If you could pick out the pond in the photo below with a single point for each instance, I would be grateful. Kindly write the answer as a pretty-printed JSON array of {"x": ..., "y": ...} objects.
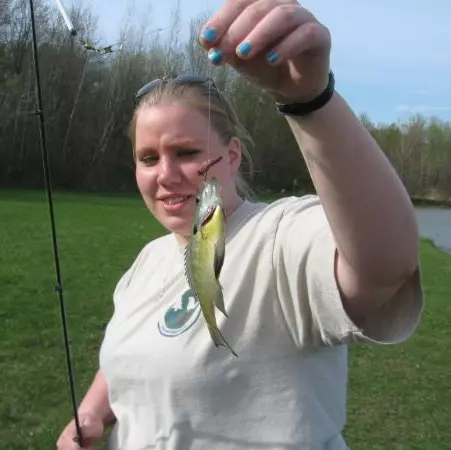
[{"x": 435, "y": 223}]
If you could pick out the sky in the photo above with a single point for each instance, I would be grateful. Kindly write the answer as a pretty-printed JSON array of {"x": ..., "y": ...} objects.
[{"x": 391, "y": 59}]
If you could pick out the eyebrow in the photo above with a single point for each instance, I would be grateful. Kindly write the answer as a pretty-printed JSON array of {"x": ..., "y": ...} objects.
[
  {"x": 181, "y": 144},
  {"x": 144, "y": 150},
  {"x": 188, "y": 143}
]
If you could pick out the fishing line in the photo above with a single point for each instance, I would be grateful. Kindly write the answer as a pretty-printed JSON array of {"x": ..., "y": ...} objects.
[
  {"x": 210, "y": 75},
  {"x": 208, "y": 130},
  {"x": 89, "y": 48},
  {"x": 77, "y": 96},
  {"x": 109, "y": 121},
  {"x": 59, "y": 285}
]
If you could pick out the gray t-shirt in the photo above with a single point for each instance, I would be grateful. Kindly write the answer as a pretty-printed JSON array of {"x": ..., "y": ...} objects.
[{"x": 171, "y": 388}]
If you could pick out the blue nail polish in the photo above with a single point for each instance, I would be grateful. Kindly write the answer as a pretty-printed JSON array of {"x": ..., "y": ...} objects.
[
  {"x": 209, "y": 34},
  {"x": 245, "y": 48},
  {"x": 272, "y": 57},
  {"x": 215, "y": 56}
]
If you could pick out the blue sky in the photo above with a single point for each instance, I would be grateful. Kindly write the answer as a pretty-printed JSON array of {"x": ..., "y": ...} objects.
[{"x": 391, "y": 58}]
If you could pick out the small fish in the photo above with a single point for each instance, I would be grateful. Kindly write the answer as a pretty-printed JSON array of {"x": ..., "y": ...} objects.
[{"x": 204, "y": 257}]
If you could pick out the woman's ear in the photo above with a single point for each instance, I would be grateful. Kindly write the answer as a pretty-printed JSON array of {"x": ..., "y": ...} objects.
[{"x": 234, "y": 153}]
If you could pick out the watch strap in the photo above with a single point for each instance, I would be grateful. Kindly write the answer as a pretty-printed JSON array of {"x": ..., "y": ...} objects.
[{"x": 303, "y": 109}]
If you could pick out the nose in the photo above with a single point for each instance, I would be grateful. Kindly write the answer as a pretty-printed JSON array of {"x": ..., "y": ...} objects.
[{"x": 168, "y": 171}]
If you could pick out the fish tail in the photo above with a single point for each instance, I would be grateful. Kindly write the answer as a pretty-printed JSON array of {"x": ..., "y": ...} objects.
[
  {"x": 220, "y": 301},
  {"x": 219, "y": 339}
]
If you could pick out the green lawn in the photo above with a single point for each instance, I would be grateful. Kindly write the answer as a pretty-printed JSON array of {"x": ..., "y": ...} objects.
[{"x": 399, "y": 398}]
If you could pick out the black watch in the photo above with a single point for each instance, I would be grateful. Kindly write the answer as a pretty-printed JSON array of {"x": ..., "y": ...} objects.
[{"x": 303, "y": 109}]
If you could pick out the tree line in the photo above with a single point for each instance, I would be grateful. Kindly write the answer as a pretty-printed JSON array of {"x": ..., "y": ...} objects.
[{"x": 88, "y": 106}]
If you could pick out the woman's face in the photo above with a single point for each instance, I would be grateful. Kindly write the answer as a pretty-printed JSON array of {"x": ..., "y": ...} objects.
[{"x": 171, "y": 143}]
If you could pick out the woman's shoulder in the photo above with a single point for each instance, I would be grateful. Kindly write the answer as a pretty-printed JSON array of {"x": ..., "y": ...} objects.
[
  {"x": 267, "y": 212},
  {"x": 292, "y": 204},
  {"x": 259, "y": 221},
  {"x": 151, "y": 249}
]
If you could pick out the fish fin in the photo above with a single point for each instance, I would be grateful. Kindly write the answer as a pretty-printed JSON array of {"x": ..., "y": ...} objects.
[
  {"x": 219, "y": 339},
  {"x": 219, "y": 256},
  {"x": 220, "y": 302},
  {"x": 218, "y": 262},
  {"x": 187, "y": 267},
  {"x": 187, "y": 254}
]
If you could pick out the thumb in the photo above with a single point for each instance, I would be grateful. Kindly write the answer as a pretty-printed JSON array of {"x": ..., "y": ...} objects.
[
  {"x": 91, "y": 430},
  {"x": 91, "y": 427}
]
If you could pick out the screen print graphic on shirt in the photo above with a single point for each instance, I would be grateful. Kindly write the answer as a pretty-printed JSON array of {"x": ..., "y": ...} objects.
[{"x": 180, "y": 316}]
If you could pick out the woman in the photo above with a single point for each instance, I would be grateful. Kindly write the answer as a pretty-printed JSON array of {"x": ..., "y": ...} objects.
[{"x": 302, "y": 277}]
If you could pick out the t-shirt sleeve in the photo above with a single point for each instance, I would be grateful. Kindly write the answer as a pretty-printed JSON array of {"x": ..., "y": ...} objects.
[
  {"x": 121, "y": 286},
  {"x": 126, "y": 278},
  {"x": 304, "y": 265}
]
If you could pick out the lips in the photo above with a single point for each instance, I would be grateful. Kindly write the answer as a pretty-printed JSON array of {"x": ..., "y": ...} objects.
[{"x": 174, "y": 199}]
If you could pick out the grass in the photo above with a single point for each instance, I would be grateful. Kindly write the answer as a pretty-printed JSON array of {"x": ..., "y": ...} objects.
[{"x": 399, "y": 397}]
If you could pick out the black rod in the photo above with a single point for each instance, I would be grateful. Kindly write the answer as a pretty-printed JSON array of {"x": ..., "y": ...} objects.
[{"x": 59, "y": 287}]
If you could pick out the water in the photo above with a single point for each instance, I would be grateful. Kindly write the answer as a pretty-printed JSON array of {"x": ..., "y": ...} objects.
[{"x": 435, "y": 223}]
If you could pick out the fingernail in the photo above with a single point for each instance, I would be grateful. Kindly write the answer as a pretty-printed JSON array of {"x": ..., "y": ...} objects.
[
  {"x": 209, "y": 34},
  {"x": 215, "y": 56},
  {"x": 244, "y": 48},
  {"x": 272, "y": 57}
]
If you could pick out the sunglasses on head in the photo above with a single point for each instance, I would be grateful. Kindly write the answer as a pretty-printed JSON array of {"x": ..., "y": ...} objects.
[{"x": 182, "y": 79}]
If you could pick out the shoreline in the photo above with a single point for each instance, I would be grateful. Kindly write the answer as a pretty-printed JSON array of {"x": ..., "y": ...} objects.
[{"x": 420, "y": 201}]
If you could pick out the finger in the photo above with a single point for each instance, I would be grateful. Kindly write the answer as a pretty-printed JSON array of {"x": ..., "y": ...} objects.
[
  {"x": 71, "y": 441},
  {"x": 91, "y": 430},
  {"x": 67, "y": 443},
  {"x": 275, "y": 28},
  {"x": 238, "y": 23},
  {"x": 309, "y": 38},
  {"x": 84, "y": 444},
  {"x": 264, "y": 21},
  {"x": 269, "y": 25},
  {"x": 215, "y": 28}
]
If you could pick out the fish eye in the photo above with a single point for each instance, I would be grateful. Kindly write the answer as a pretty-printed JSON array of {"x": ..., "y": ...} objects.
[{"x": 197, "y": 200}]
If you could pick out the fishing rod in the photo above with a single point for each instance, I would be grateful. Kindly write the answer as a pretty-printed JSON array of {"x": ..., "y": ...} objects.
[
  {"x": 59, "y": 285},
  {"x": 73, "y": 32},
  {"x": 48, "y": 188}
]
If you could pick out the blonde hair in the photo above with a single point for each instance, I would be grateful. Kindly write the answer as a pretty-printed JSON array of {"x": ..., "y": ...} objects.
[{"x": 212, "y": 104}]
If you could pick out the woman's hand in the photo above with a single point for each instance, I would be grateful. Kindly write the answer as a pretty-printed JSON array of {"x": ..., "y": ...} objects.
[
  {"x": 277, "y": 44},
  {"x": 91, "y": 429}
]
